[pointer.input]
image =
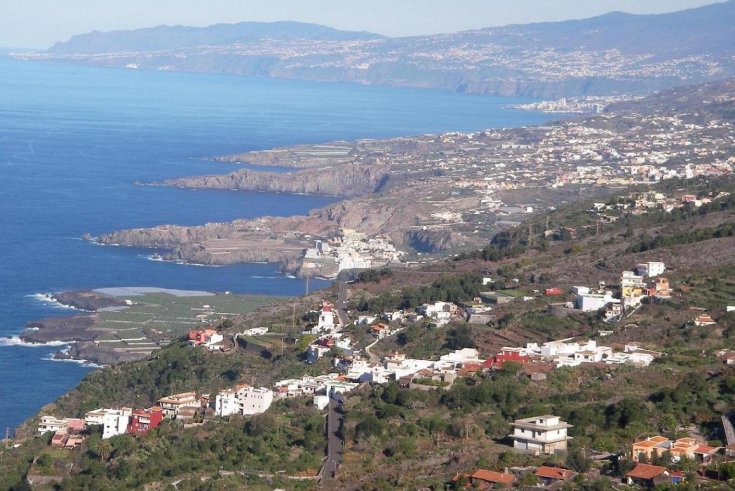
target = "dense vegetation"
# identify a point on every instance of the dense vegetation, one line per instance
(698, 235)
(451, 288)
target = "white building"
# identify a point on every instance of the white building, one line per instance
(353, 261)
(50, 423)
(629, 278)
(305, 386)
(326, 318)
(255, 331)
(592, 302)
(244, 400)
(464, 355)
(440, 312)
(651, 269)
(540, 434)
(393, 316)
(115, 422)
(321, 401)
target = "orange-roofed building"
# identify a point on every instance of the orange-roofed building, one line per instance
(206, 337)
(660, 289)
(658, 445)
(648, 447)
(549, 475)
(483, 479)
(645, 474)
(173, 404)
(59, 439)
(704, 320)
(704, 453)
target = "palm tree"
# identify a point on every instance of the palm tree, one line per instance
(103, 449)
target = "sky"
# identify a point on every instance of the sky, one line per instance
(38, 24)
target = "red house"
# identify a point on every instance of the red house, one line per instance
(143, 420)
(549, 292)
(506, 355)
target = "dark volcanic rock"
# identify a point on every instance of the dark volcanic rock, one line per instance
(98, 354)
(88, 300)
(76, 328)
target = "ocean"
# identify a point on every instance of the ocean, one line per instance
(74, 140)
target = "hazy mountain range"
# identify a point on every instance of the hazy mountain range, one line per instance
(612, 53)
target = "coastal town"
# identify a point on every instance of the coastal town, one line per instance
(443, 194)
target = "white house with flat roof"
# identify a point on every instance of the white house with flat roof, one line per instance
(244, 400)
(540, 434)
(115, 422)
(651, 268)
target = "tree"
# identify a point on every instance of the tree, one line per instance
(103, 448)
(577, 461)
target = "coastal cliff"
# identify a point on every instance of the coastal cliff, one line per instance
(348, 180)
(281, 240)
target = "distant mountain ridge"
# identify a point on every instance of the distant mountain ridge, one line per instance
(176, 37)
(608, 54)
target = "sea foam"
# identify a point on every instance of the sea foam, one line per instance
(16, 341)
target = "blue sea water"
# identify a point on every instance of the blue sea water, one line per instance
(74, 140)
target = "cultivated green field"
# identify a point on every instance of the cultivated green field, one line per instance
(161, 317)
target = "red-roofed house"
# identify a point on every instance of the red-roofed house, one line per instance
(483, 479)
(517, 355)
(647, 475)
(704, 453)
(644, 474)
(549, 475)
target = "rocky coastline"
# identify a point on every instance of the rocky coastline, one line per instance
(348, 180)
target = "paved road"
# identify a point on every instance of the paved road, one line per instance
(334, 442)
(372, 357)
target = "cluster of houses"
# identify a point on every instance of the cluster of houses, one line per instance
(68, 432)
(569, 353)
(537, 435)
(547, 435)
(416, 372)
(438, 313)
(633, 288)
(509, 478)
(644, 451)
(348, 250)
(641, 203)
(71, 432)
